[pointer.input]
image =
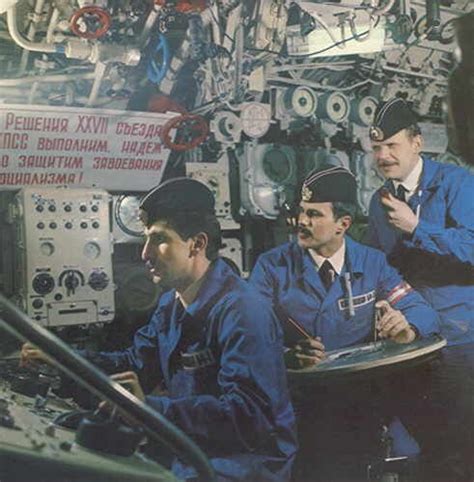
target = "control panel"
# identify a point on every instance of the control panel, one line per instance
(63, 255)
(35, 443)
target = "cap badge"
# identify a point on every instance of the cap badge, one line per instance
(376, 133)
(306, 193)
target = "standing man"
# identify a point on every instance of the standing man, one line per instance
(211, 344)
(423, 219)
(329, 286)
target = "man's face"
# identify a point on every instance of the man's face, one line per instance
(317, 227)
(396, 156)
(168, 257)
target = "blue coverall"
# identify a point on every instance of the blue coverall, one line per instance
(438, 259)
(339, 423)
(288, 277)
(221, 362)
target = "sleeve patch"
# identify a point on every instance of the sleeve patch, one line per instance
(399, 292)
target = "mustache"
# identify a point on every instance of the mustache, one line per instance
(304, 231)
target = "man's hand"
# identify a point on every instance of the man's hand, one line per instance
(306, 353)
(130, 381)
(31, 355)
(399, 214)
(393, 324)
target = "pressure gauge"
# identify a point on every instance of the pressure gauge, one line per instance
(126, 214)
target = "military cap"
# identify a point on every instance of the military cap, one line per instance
(329, 184)
(180, 194)
(391, 117)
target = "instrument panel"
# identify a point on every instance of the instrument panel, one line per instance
(32, 446)
(63, 265)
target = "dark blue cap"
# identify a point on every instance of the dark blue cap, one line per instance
(391, 117)
(180, 194)
(329, 184)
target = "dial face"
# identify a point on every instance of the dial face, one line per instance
(91, 250)
(47, 248)
(127, 215)
(255, 119)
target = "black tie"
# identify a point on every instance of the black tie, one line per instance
(327, 274)
(401, 193)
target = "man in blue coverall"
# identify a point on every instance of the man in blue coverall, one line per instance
(330, 286)
(423, 219)
(211, 344)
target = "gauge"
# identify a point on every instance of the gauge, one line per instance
(43, 283)
(47, 248)
(91, 250)
(126, 214)
(255, 118)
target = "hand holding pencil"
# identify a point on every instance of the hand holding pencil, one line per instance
(307, 352)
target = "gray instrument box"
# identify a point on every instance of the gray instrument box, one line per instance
(63, 255)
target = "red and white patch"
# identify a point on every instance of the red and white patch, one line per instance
(399, 292)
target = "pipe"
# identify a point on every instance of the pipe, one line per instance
(99, 73)
(30, 36)
(416, 74)
(26, 44)
(155, 425)
(316, 85)
(383, 9)
(46, 78)
(53, 21)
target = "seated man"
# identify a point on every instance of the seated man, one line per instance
(330, 286)
(211, 344)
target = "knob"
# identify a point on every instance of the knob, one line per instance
(71, 282)
(37, 303)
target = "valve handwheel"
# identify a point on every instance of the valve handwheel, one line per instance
(90, 22)
(191, 130)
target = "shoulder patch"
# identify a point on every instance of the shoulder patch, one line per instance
(399, 292)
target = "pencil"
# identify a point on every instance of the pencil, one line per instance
(300, 329)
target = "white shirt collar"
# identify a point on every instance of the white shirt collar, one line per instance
(336, 260)
(413, 179)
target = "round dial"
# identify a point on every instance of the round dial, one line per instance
(91, 250)
(98, 280)
(43, 283)
(126, 215)
(255, 118)
(47, 248)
